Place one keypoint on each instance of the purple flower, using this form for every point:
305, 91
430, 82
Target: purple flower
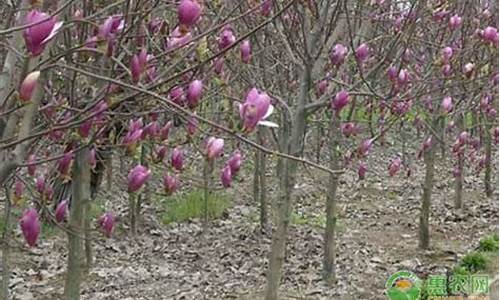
28, 86
177, 95
455, 22
226, 38
266, 7
170, 184
255, 109
38, 35
362, 52
447, 53
137, 177
138, 64
338, 54
194, 92
226, 176
235, 162
61, 211
64, 163
188, 12
214, 147
177, 159
246, 51
30, 226
321, 87
362, 171
490, 34
178, 38
106, 222
447, 104
394, 166
365, 147
340, 101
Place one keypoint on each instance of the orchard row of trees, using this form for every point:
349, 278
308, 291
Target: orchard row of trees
175, 85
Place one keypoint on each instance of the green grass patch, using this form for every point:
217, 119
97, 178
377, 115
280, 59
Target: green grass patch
314, 221
489, 243
182, 207
474, 262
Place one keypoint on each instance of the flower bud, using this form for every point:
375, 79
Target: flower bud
246, 51
28, 86
61, 211
137, 177
106, 222
30, 226
177, 159
226, 176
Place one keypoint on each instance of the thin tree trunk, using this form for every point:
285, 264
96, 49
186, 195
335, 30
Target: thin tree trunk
460, 168
331, 199
278, 245
80, 196
109, 170
459, 183
426, 198
131, 213
263, 194
207, 175
6, 248
88, 241
487, 163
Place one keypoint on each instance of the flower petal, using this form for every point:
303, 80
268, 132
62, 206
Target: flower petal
268, 124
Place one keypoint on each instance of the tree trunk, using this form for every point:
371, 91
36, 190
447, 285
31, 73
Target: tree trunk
262, 193
259, 182
131, 213
459, 183
6, 248
207, 176
80, 196
278, 245
331, 199
88, 240
487, 163
109, 170
426, 198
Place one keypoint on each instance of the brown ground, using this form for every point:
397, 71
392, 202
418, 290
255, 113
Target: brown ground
378, 221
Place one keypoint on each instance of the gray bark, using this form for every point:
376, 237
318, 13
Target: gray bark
80, 196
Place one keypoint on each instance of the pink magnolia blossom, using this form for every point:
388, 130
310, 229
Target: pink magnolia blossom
246, 51
226, 176
38, 35
106, 222
137, 177
188, 12
170, 184
214, 147
28, 86
61, 211
30, 226
177, 159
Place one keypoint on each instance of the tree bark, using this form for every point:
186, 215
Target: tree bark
331, 199
80, 196
424, 235
6, 248
459, 183
487, 164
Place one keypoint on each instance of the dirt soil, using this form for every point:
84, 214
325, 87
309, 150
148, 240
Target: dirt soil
377, 236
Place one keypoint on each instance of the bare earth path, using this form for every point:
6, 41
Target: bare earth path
377, 236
